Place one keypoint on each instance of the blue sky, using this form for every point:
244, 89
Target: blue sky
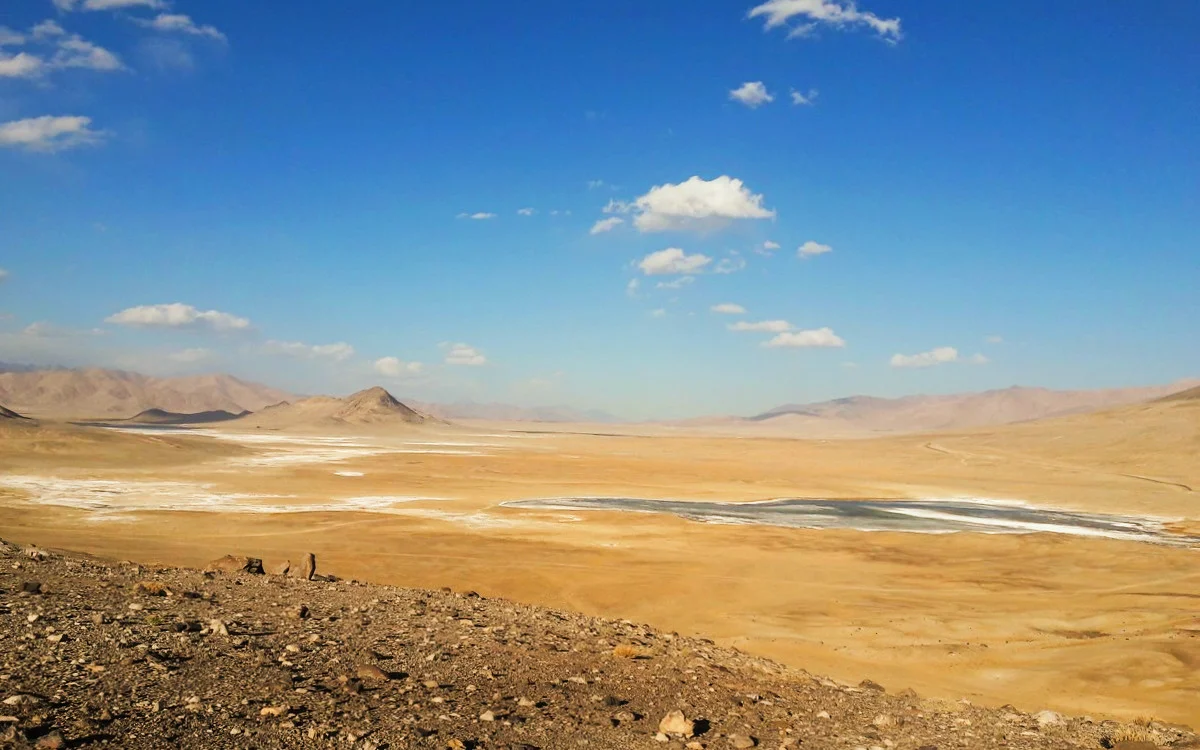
989, 194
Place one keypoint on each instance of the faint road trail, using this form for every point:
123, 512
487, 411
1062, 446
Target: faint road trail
964, 456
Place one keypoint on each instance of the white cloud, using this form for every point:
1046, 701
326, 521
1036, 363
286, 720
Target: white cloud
48, 28
606, 225
767, 248
697, 203
812, 338
994, 339
835, 13
8, 36
810, 248
693, 204
478, 216
76, 52
631, 288
751, 93
672, 261
678, 283
21, 65
463, 354
800, 98
49, 134
337, 352
525, 212
730, 265
394, 368
939, 356
191, 356
180, 23
177, 315
761, 326
728, 308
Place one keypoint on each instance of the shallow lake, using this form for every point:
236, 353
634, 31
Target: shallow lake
923, 516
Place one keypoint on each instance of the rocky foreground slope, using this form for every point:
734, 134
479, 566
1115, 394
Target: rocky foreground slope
95, 653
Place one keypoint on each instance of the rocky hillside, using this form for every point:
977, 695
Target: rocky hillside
373, 406
99, 394
101, 653
9, 414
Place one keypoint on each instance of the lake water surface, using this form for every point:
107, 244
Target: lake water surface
924, 516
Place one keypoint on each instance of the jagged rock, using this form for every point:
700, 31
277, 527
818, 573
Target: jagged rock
676, 723
53, 740
234, 564
151, 588
1047, 718
371, 672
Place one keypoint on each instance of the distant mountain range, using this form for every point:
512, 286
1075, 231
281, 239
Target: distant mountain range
98, 394
108, 394
870, 415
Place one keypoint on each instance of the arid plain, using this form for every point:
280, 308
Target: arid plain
1078, 624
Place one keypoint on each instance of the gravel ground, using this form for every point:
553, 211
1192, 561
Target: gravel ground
97, 653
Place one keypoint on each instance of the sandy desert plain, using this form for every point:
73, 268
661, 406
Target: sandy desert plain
1105, 623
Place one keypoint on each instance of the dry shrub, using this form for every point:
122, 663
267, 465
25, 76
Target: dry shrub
630, 651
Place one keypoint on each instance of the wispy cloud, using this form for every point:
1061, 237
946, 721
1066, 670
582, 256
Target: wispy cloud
21, 65
178, 315
810, 249
810, 14
463, 354
801, 99
181, 24
191, 356
818, 338
70, 5
606, 225
393, 367
338, 352
49, 134
732, 264
942, 355
673, 260
678, 283
761, 326
45, 330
